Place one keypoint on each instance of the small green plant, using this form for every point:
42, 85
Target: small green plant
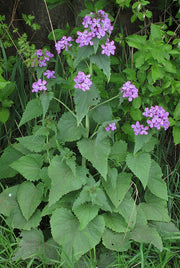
86, 175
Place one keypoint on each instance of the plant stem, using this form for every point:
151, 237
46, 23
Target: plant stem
113, 98
65, 106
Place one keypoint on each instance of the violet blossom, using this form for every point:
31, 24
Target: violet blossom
129, 91
39, 85
82, 81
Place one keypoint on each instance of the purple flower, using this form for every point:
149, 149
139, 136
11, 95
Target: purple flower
49, 74
41, 57
82, 81
140, 129
111, 127
129, 91
108, 48
96, 25
159, 117
84, 38
64, 43
39, 85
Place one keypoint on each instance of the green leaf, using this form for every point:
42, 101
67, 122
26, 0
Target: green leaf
177, 112
33, 110
83, 53
84, 100
156, 72
45, 101
69, 131
29, 166
136, 41
103, 62
17, 220
6, 88
8, 200
115, 222
118, 151
128, 210
155, 183
32, 245
140, 165
154, 208
4, 115
65, 226
176, 134
33, 143
63, 180
118, 191
167, 230
97, 153
29, 198
85, 213
156, 33
102, 113
9, 155
116, 241
141, 141
145, 234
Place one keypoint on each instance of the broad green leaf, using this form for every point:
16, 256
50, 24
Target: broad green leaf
8, 201
32, 245
177, 112
63, 180
33, 143
102, 113
33, 110
84, 100
141, 141
9, 155
155, 209
75, 243
117, 192
156, 33
167, 230
156, 72
6, 88
97, 153
29, 166
136, 41
140, 165
116, 241
83, 53
17, 220
128, 210
115, 222
85, 213
176, 134
29, 198
45, 101
103, 62
69, 130
145, 234
155, 183
4, 115
118, 151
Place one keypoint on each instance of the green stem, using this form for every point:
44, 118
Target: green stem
113, 98
142, 255
65, 106
87, 125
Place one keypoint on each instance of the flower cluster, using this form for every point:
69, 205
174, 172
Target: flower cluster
129, 91
64, 43
159, 117
39, 85
140, 129
111, 127
96, 25
108, 48
82, 81
49, 74
41, 57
